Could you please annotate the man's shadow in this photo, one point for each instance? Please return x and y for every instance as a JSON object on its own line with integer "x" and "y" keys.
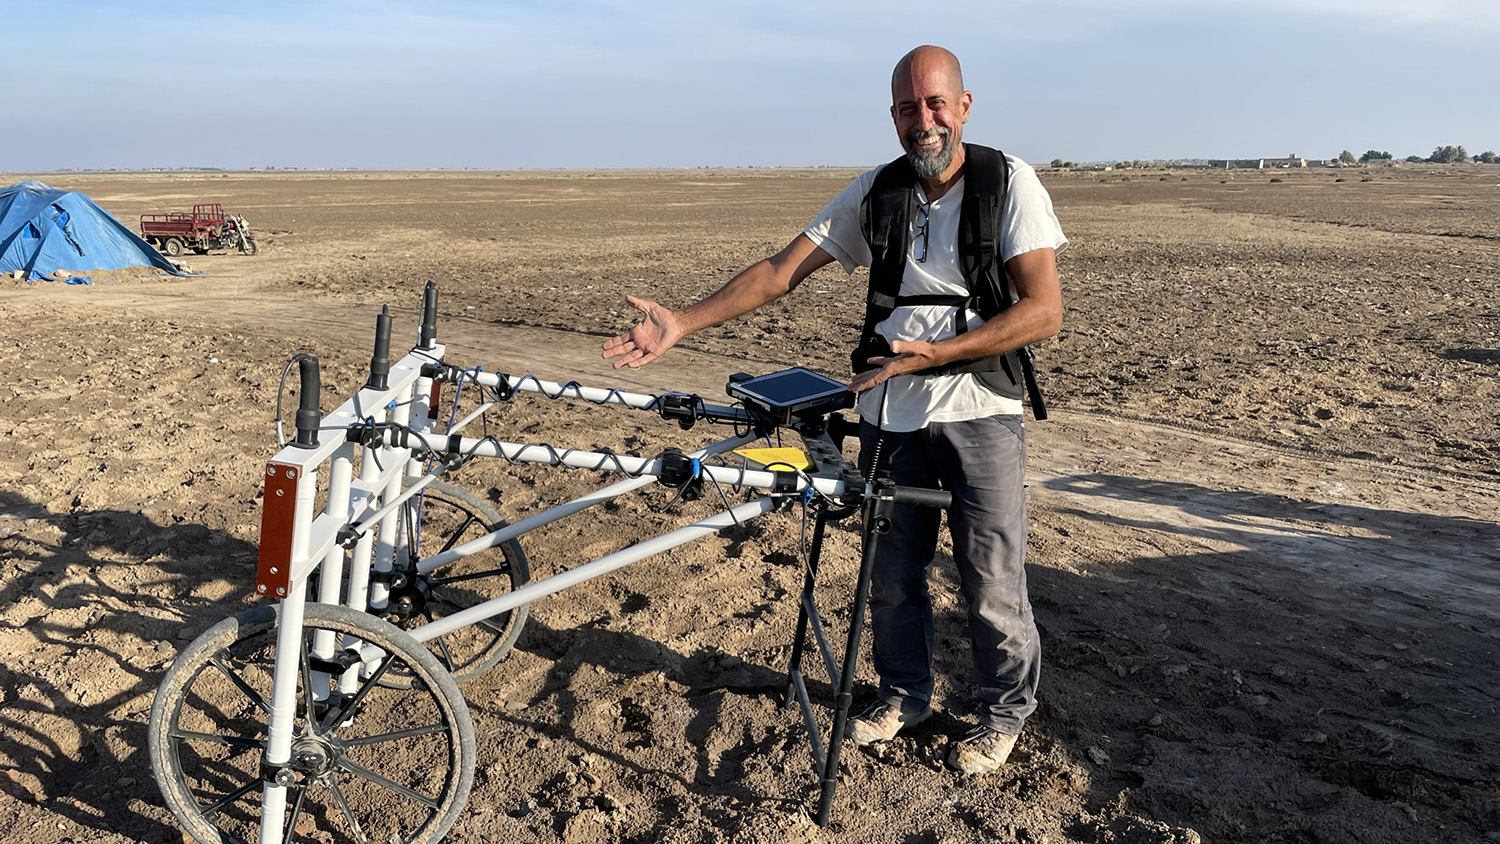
{"x": 1274, "y": 662}
{"x": 73, "y": 752}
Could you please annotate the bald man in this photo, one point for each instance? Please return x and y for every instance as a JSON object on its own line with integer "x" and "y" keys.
{"x": 943, "y": 413}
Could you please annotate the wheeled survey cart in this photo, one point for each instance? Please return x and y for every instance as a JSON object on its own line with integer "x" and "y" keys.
{"x": 334, "y": 712}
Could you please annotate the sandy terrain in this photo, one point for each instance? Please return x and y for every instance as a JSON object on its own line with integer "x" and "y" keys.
{"x": 1265, "y": 556}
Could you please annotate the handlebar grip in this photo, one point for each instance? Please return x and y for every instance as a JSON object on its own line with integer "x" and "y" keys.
{"x": 921, "y": 496}
{"x": 427, "y": 335}
{"x": 308, "y": 414}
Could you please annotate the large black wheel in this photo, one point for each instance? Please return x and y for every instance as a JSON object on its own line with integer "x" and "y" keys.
{"x": 446, "y": 516}
{"x": 369, "y": 766}
{"x": 173, "y": 247}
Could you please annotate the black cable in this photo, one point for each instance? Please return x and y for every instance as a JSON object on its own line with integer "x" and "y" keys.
{"x": 614, "y": 393}
{"x": 879, "y": 435}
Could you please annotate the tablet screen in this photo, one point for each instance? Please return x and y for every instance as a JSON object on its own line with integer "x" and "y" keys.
{"x": 791, "y": 386}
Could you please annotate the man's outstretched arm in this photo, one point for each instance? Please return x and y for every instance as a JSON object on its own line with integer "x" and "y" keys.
{"x": 660, "y": 328}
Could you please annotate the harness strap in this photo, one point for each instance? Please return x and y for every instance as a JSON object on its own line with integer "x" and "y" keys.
{"x": 933, "y": 299}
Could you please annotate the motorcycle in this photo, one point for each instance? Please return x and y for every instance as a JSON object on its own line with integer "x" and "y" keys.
{"x": 240, "y": 237}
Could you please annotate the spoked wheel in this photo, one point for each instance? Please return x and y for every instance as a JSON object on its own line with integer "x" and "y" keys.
{"x": 369, "y": 766}
{"x": 249, "y": 247}
{"x": 451, "y": 516}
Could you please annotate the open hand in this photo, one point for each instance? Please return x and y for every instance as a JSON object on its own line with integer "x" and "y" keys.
{"x": 648, "y": 340}
{"x": 911, "y": 356}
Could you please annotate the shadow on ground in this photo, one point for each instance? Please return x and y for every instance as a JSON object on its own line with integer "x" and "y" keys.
{"x": 107, "y": 597}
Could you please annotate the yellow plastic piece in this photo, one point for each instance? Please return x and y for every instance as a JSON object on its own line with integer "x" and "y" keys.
{"x": 776, "y": 458}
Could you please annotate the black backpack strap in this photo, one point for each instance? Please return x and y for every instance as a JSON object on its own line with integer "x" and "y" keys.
{"x": 883, "y": 218}
{"x": 986, "y": 178}
{"x": 982, "y": 259}
{"x": 941, "y": 299}
{"x": 991, "y": 173}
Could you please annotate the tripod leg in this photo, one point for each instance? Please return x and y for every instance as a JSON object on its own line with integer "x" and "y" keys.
{"x": 794, "y": 665}
{"x": 877, "y": 521}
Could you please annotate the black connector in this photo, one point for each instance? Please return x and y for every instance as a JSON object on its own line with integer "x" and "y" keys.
{"x": 347, "y": 536}
{"x": 680, "y": 471}
{"x": 676, "y": 468}
{"x": 680, "y": 407}
{"x": 336, "y": 664}
{"x": 504, "y": 389}
{"x": 784, "y": 483}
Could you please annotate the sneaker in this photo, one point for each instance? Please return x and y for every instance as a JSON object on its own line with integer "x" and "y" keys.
{"x": 881, "y": 721}
{"x": 981, "y": 751}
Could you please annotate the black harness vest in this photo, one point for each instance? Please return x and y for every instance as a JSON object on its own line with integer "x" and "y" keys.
{"x": 884, "y": 215}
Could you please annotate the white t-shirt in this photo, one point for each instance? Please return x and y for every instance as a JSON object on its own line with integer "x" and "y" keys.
{"x": 911, "y": 402}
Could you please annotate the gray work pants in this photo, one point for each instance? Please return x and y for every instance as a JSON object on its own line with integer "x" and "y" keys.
{"x": 982, "y": 462}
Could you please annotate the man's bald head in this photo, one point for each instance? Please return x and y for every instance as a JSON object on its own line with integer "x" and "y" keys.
{"x": 925, "y": 61}
{"x": 930, "y": 106}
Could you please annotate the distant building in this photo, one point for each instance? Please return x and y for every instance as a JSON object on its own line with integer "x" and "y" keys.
{"x": 1283, "y": 163}
{"x": 1287, "y": 163}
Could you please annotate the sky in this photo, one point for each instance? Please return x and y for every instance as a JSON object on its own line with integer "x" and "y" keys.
{"x": 394, "y": 84}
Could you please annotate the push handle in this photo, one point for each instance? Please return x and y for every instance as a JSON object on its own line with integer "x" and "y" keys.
{"x": 922, "y": 496}
{"x": 308, "y": 415}
{"x": 380, "y": 363}
{"x": 427, "y": 338}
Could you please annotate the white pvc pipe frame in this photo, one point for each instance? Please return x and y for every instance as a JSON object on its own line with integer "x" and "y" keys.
{"x": 373, "y": 499}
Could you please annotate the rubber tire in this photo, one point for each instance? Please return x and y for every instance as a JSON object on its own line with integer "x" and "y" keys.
{"x": 178, "y": 683}
{"x": 172, "y": 248}
{"x": 199, "y": 250}
{"x": 520, "y": 574}
{"x": 250, "y": 248}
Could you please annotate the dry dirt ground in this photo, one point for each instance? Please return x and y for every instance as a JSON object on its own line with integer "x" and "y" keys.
{"x": 1265, "y": 557}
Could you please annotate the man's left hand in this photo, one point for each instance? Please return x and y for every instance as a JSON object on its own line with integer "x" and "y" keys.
{"x": 911, "y": 356}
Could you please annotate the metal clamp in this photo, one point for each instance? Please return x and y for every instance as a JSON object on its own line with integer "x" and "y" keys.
{"x": 681, "y": 407}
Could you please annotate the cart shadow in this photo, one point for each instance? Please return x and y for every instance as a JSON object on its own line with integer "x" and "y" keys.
{"x": 73, "y": 727}
{"x": 704, "y": 680}
{"x": 721, "y": 737}
{"x": 1262, "y": 668}
{"x": 1480, "y": 356}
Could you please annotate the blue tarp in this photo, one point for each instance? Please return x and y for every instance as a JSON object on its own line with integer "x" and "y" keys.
{"x": 43, "y": 230}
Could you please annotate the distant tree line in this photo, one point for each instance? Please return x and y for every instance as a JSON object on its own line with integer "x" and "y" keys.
{"x": 1440, "y": 155}
{"x": 1136, "y": 164}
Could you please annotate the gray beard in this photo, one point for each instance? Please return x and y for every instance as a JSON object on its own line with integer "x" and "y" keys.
{"x": 931, "y": 166}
